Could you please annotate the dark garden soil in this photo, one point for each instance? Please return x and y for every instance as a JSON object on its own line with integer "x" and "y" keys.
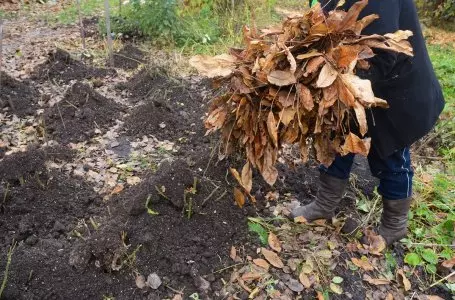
{"x": 20, "y": 98}
{"x": 62, "y": 68}
{"x": 80, "y": 113}
{"x": 172, "y": 108}
{"x": 129, "y": 58}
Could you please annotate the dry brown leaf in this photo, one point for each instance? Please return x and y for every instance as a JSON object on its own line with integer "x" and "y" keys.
{"x": 308, "y": 55}
{"x": 272, "y": 258}
{"x": 304, "y": 280}
{"x": 272, "y": 128}
{"x": 117, "y": 189}
{"x": 274, "y": 242}
{"x": 319, "y": 295}
{"x": 313, "y": 65}
{"x": 375, "y": 281}
{"x": 281, "y": 78}
{"x": 364, "y": 22}
{"x": 376, "y": 243}
{"x": 287, "y": 115}
{"x": 432, "y": 297}
{"x": 247, "y": 177}
{"x": 403, "y": 280}
{"x": 449, "y": 263}
{"x": 352, "y": 15}
{"x": 233, "y": 253}
{"x": 361, "y": 118}
{"x": 251, "y": 276}
{"x": 262, "y": 263}
{"x": 306, "y": 99}
{"x": 389, "y": 296}
{"x": 362, "y": 263}
{"x": 344, "y": 94}
{"x": 300, "y": 220}
{"x": 354, "y": 144}
{"x": 214, "y": 66}
{"x": 327, "y": 76}
{"x": 399, "y": 35}
{"x": 239, "y": 197}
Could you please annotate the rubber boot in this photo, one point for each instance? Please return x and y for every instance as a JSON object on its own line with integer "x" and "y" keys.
{"x": 394, "y": 219}
{"x": 331, "y": 190}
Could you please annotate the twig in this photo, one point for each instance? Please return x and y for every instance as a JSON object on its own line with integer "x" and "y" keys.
{"x": 227, "y": 268}
{"x": 441, "y": 280}
{"x": 8, "y": 263}
{"x": 222, "y": 195}
{"x": 209, "y": 196}
{"x": 61, "y": 118}
{"x": 127, "y": 57}
{"x": 429, "y": 245}
{"x": 175, "y": 290}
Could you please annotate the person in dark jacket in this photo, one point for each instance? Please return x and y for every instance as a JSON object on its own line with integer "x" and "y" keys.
{"x": 410, "y": 86}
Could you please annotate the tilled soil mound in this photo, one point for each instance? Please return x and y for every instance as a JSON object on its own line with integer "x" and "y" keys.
{"x": 184, "y": 250}
{"x": 40, "y": 212}
{"x": 128, "y": 58}
{"x": 19, "y": 97}
{"x": 172, "y": 108}
{"x": 62, "y": 68}
{"x": 80, "y": 113}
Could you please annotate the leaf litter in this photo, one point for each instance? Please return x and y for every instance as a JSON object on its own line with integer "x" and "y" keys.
{"x": 297, "y": 85}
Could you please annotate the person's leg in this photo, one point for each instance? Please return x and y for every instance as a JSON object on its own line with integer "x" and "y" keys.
{"x": 332, "y": 184}
{"x": 395, "y": 174}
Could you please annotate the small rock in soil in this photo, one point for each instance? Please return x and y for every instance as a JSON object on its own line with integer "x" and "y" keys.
{"x": 140, "y": 282}
{"x": 59, "y": 227}
{"x": 201, "y": 284}
{"x": 31, "y": 240}
{"x": 295, "y": 286}
{"x": 153, "y": 281}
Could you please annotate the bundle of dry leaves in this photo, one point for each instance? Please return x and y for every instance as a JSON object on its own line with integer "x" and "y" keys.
{"x": 296, "y": 84}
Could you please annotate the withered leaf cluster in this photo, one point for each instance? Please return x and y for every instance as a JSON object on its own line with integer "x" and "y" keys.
{"x": 297, "y": 84}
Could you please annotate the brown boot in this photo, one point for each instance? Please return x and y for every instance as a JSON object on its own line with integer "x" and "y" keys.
{"x": 394, "y": 220}
{"x": 330, "y": 192}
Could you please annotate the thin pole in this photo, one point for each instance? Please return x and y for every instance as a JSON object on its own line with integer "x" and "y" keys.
{"x": 81, "y": 24}
{"x": 108, "y": 30}
{"x": 1, "y": 50}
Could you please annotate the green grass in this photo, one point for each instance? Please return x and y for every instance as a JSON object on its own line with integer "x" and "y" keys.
{"x": 432, "y": 219}
{"x": 88, "y": 8}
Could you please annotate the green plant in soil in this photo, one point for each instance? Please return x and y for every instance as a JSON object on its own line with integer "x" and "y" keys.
{"x": 9, "y": 257}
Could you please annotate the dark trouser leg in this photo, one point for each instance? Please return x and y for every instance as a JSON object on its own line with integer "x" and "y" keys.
{"x": 332, "y": 184}
{"x": 395, "y": 175}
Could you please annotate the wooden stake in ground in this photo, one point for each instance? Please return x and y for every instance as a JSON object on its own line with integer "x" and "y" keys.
{"x": 1, "y": 51}
{"x": 81, "y": 24}
{"x": 108, "y": 31}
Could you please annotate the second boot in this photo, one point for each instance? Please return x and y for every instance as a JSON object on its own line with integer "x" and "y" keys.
{"x": 330, "y": 193}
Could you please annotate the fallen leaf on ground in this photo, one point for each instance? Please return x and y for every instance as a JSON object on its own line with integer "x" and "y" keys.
{"x": 239, "y": 197}
{"x": 403, "y": 280}
{"x": 336, "y": 288}
{"x": 262, "y": 263}
{"x": 140, "y": 281}
{"x": 272, "y": 196}
{"x": 233, "y": 253}
{"x": 272, "y": 258}
{"x": 362, "y": 263}
{"x": 274, "y": 242}
{"x": 300, "y": 220}
{"x": 305, "y": 280}
{"x": 449, "y": 263}
{"x": 118, "y": 188}
{"x": 375, "y": 281}
{"x": 250, "y": 276}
